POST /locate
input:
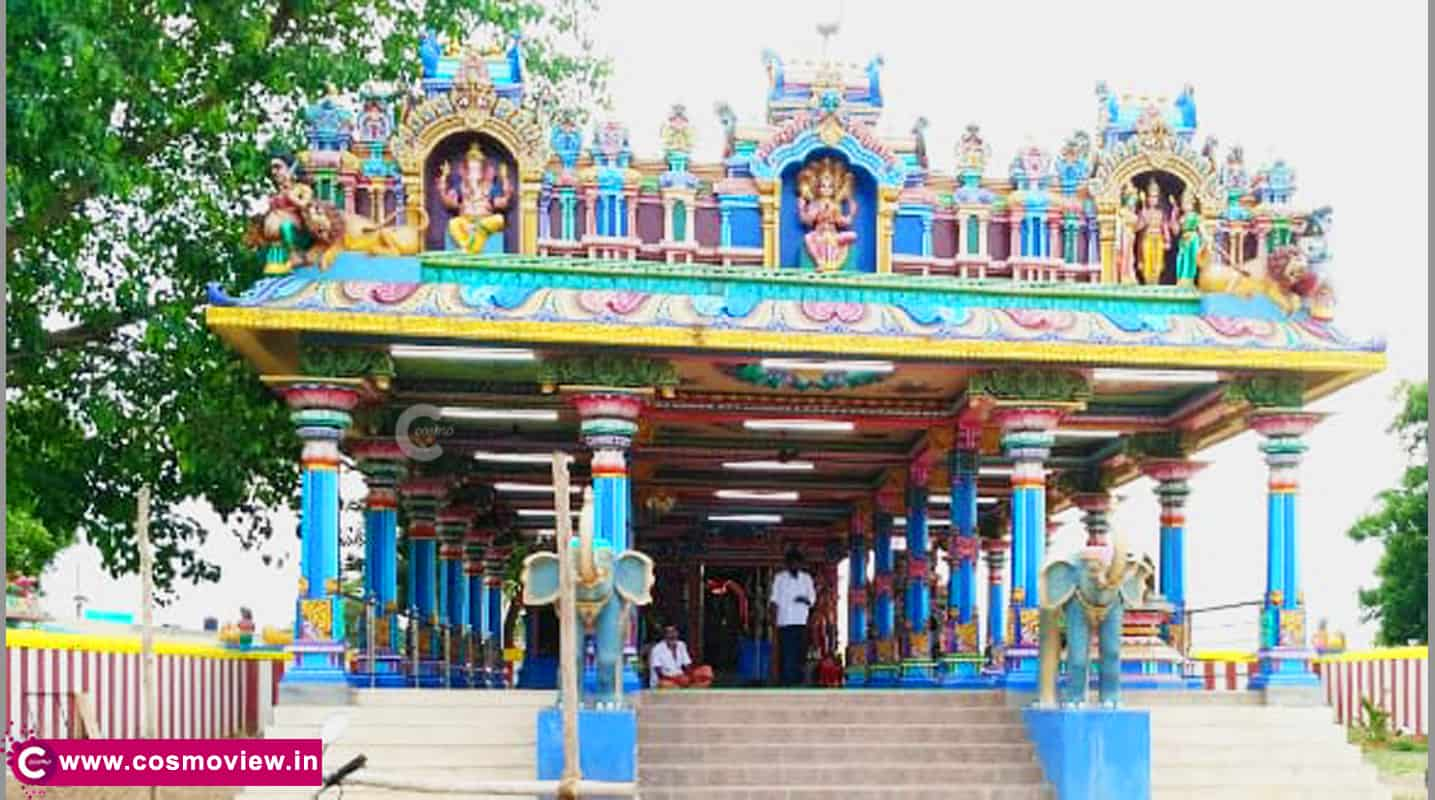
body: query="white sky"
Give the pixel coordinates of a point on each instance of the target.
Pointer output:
(1338, 90)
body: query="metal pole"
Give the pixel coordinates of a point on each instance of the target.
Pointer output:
(148, 695)
(447, 644)
(567, 631)
(414, 642)
(369, 628)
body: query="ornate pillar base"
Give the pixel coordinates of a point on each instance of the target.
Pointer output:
(384, 671)
(887, 671)
(963, 671)
(918, 673)
(855, 673)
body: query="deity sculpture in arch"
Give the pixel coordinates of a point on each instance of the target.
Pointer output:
(1193, 248)
(1155, 228)
(827, 207)
(1128, 216)
(477, 198)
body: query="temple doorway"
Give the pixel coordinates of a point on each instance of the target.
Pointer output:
(734, 643)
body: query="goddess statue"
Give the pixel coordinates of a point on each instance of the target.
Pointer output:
(827, 209)
(1156, 232)
(1127, 218)
(1192, 247)
(477, 208)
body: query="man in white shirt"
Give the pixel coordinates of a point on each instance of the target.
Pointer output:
(671, 666)
(792, 597)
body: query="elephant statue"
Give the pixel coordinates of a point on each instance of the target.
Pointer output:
(1093, 596)
(605, 585)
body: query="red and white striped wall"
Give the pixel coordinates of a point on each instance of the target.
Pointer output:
(1395, 679)
(204, 691)
(1223, 675)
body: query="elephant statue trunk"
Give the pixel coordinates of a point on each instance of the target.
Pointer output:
(1091, 598)
(587, 571)
(607, 584)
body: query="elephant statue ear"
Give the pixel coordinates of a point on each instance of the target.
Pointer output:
(540, 579)
(633, 577)
(1058, 582)
(1134, 583)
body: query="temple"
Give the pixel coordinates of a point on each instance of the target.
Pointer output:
(901, 362)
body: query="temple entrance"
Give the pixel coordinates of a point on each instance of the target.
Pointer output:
(733, 639)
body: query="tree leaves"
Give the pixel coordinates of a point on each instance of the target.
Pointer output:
(1401, 522)
(137, 141)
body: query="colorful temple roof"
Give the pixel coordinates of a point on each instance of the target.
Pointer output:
(459, 213)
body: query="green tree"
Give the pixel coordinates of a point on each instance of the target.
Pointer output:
(1401, 522)
(137, 140)
(29, 546)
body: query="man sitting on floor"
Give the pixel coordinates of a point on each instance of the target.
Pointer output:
(672, 667)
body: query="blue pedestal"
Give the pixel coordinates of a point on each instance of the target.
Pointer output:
(607, 745)
(1093, 754)
(540, 672)
(883, 676)
(754, 660)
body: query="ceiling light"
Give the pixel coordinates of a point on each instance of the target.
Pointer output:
(755, 494)
(447, 353)
(1091, 433)
(755, 519)
(800, 425)
(939, 499)
(987, 501)
(502, 414)
(824, 365)
(932, 522)
(540, 512)
(998, 471)
(1155, 376)
(514, 458)
(530, 488)
(770, 466)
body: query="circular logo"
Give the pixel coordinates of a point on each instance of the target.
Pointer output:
(418, 445)
(34, 762)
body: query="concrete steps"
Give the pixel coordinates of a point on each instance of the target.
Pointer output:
(436, 734)
(810, 744)
(1224, 745)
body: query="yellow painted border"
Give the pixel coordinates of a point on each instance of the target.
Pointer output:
(1378, 654)
(1238, 656)
(232, 321)
(96, 643)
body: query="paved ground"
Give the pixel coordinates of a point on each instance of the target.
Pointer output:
(15, 790)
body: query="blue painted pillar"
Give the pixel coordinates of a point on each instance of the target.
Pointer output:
(382, 463)
(996, 553)
(477, 597)
(608, 422)
(1172, 489)
(1284, 658)
(494, 563)
(421, 499)
(883, 669)
(961, 648)
(857, 596)
(918, 667)
(1026, 439)
(453, 525)
(321, 413)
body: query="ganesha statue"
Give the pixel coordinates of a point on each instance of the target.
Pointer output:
(478, 195)
(827, 208)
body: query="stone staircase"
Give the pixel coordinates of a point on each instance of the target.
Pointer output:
(1230, 745)
(749, 744)
(439, 734)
